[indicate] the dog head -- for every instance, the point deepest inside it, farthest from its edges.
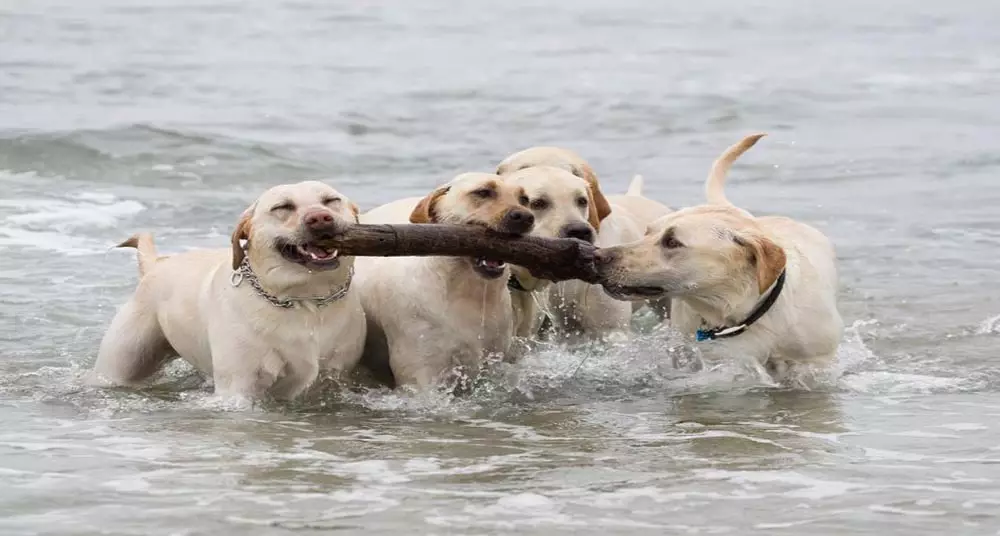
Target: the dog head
(706, 252)
(562, 204)
(481, 199)
(283, 229)
(567, 160)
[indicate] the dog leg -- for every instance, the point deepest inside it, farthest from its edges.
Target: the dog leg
(604, 315)
(416, 365)
(133, 349)
(375, 358)
(410, 372)
(241, 370)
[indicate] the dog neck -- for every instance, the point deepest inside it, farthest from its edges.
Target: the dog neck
(727, 304)
(736, 324)
(461, 282)
(284, 282)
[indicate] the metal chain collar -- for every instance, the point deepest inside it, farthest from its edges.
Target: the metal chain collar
(245, 273)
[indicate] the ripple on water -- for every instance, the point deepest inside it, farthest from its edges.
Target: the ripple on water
(64, 220)
(397, 454)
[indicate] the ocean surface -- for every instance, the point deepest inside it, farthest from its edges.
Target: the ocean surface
(172, 115)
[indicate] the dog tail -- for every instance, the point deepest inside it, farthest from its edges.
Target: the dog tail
(635, 187)
(715, 185)
(143, 243)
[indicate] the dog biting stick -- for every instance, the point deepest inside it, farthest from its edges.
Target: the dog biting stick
(555, 259)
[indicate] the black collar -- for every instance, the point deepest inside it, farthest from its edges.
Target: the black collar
(762, 307)
(514, 284)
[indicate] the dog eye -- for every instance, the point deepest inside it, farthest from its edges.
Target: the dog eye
(331, 200)
(523, 200)
(483, 193)
(539, 204)
(287, 205)
(670, 241)
(581, 201)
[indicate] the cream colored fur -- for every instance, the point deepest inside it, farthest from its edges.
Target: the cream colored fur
(716, 261)
(431, 318)
(185, 305)
(577, 308)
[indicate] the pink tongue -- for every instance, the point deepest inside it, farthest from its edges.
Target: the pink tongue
(492, 263)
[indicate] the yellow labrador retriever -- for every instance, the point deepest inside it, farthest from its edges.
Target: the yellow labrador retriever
(633, 205)
(564, 206)
(547, 174)
(265, 318)
(761, 287)
(430, 318)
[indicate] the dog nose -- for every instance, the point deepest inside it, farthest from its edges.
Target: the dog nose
(317, 218)
(604, 257)
(578, 230)
(519, 221)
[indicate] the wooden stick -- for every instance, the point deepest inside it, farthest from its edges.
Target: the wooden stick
(555, 259)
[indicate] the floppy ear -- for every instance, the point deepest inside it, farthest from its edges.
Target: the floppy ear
(593, 213)
(768, 258)
(424, 211)
(242, 232)
(600, 206)
(356, 211)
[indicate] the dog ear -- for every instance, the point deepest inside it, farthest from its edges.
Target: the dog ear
(424, 212)
(767, 257)
(242, 232)
(599, 206)
(356, 211)
(593, 214)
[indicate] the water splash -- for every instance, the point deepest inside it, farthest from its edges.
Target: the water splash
(659, 363)
(990, 326)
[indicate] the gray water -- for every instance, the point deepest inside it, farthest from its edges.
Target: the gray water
(172, 115)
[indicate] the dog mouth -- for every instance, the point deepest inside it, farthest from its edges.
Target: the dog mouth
(633, 293)
(488, 268)
(310, 255)
(485, 267)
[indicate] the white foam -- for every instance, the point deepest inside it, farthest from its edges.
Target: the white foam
(525, 502)
(886, 509)
(65, 215)
(892, 455)
(514, 510)
(989, 326)
(806, 487)
(49, 241)
(882, 382)
(372, 471)
(52, 224)
(965, 426)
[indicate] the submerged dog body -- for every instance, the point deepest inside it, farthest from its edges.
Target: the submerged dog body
(762, 287)
(431, 317)
(553, 178)
(269, 318)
